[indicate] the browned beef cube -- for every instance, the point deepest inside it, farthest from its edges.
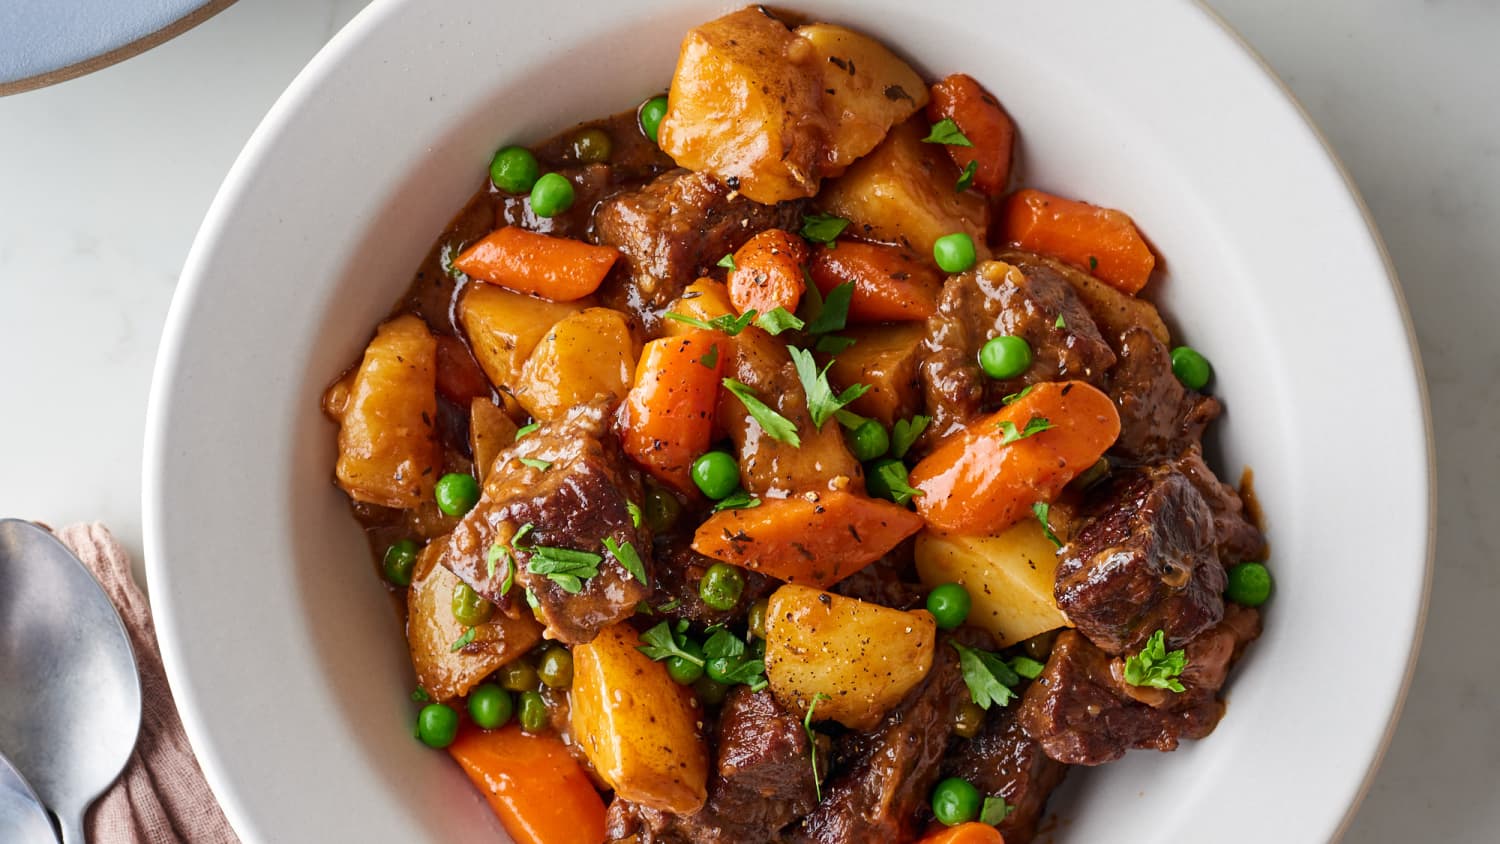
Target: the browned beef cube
(1159, 418)
(1002, 761)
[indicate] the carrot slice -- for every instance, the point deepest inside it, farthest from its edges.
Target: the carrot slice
(555, 268)
(985, 479)
(459, 377)
(979, 116)
(668, 416)
(890, 284)
(815, 539)
(1101, 240)
(972, 832)
(541, 794)
(767, 273)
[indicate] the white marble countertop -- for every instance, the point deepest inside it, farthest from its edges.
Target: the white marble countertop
(103, 181)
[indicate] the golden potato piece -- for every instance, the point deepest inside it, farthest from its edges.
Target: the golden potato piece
(704, 299)
(504, 327)
(1009, 578)
(584, 356)
(638, 728)
(884, 358)
(490, 432)
(866, 88)
(863, 658)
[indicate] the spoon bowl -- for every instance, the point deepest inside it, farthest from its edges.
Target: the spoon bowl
(23, 818)
(70, 706)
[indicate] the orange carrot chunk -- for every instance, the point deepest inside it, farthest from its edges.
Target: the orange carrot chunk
(986, 478)
(555, 268)
(972, 832)
(541, 794)
(981, 119)
(668, 415)
(890, 284)
(767, 273)
(814, 539)
(1100, 240)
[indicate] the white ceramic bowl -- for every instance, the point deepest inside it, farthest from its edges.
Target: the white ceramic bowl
(287, 661)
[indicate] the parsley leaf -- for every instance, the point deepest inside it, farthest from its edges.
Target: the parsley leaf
(966, 178)
(776, 426)
(492, 556)
(1093, 263)
(722, 643)
(526, 429)
(812, 742)
(1061, 323)
(945, 131)
(1034, 426)
(659, 643)
(447, 255)
(727, 323)
(1041, 509)
(1155, 666)
(989, 679)
(711, 359)
(777, 320)
(539, 465)
(737, 500)
(833, 314)
(822, 228)
(634, 510)
(564, 566)
(821, 402)
(670, 605)
(627, 557)
(904, 434)
(1015, 397)
(995, 810)
(892, 475)
(420, 695)
(727, 262)
(833, 344)
(462, 641)
(1026, 667)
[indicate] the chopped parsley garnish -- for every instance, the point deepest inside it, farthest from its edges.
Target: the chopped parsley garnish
(660, 643)
(777, 320)
(634, 510)
(822, 228)
(536, 463)
(833, 344)
(737, 500)
(1015, 397)
(1034, 426)
(995, 810)
(564, 566)
(891, 475)
(420, 695)
(1042, 509)
(833, 311)
(989, 679)
(627, 557)
(812, 742)
(1155, 666)
(776, 426)
(728, 323)
(904, 434)
(462, 641)
(526, 429)
(711, 359)
(945, 131)
(1061, 323)
(966, 178)
(821, 401)
(1093, 263)
(670, 605)
(446, 256)
(727, 262)
(493, 556)
(500, 551)
(1026, 667)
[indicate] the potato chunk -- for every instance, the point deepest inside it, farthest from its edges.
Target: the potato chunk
(903, 193)
(388, 453)
(638, 728)
(704, 299)
(1009, 578)
(863, 658)
(490, 432)
(504, 328)
(866, 88)
(582, 357)
(883, 357)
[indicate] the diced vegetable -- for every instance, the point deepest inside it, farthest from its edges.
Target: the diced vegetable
(866, 88)
(890, 285)
(973, 832)
(459, 377)
(981, 119)
(816, 539)
(388, 454)
(903, 193)
(504, 327)
(638, 727)
(768, 272)
(1101, 240)
(540, 793)
(1114, 312)
(490, 431)
(1009, 578)
(858, 659)
(704, 299)
(987, 478)
(885, 358)
(583, 356)
(556, 268)
(431, 631)
(668, 416)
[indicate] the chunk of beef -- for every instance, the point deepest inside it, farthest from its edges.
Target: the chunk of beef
(679, 569)
(673, 230)
(1237, 537)
(576, 503)
(1003, 761)
(890, 581)
(1082, 712)
(996, 298)
(1143, 560)
(890, 772)
(763, 782)
(1159, 418)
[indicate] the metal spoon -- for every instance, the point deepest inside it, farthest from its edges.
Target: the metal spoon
(23, 818)
(70, 696)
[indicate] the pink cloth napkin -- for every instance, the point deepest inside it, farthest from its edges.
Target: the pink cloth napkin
(161, 796)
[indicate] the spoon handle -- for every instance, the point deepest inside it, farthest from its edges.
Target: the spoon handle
(71, 824)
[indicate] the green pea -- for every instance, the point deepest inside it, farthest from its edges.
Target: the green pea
(884, 477)
(650, 115)
(592, 145)
(721, 586)
(1191, 367)
(758, 648)
(949, 605)
(456, 493)
(685, 671)
(490, 706)
(968, 719)
(716, 474)
(955, 801)
(662, 509)
(953, 253)
(514, 170)
(519, 676)
(710, 691)
(532, 712)
(469, 609)
(437, 725)
(556, 667)
(1005, 356)
(551, 195)
(1249, 584)
(399, 561)
(868, 441)
(755, 621)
